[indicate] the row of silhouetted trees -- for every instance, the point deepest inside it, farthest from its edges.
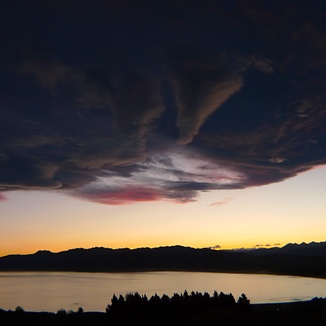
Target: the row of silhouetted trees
(134, 305)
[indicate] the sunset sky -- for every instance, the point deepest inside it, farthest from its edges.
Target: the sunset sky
(157, 123)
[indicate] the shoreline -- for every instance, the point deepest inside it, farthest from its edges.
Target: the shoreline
(162, 270)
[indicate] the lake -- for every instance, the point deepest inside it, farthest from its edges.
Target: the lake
(51, 291)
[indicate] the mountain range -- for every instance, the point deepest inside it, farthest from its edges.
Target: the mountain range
(293, 259)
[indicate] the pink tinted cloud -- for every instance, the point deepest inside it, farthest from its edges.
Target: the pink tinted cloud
(222, 202)
(134, 194)
(124, 196)
(176, 177)
(2, 197)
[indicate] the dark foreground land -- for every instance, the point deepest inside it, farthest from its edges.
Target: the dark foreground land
(311, 312)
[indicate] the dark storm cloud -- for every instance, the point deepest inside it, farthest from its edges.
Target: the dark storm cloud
(122, 102)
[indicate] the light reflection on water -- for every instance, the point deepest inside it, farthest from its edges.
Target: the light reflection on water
(50, 291)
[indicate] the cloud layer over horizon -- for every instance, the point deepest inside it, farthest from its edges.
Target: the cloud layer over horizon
(124, 102)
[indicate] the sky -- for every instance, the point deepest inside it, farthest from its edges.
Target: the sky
(157, 123)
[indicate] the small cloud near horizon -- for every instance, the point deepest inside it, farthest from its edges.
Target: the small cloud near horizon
(222, 202)
(216, 247)
(267, 245)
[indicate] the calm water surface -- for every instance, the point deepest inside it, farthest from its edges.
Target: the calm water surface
(51, 291)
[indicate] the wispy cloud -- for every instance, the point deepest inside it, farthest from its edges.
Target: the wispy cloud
(267, 245)
(200, 90)
(222, 202)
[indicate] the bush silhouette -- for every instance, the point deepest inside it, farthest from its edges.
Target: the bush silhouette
(19, 309)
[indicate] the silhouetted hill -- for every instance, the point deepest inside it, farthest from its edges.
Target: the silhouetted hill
(304, 249)
(304, 259)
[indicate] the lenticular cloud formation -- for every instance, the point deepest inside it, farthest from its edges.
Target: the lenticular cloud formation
(145, 101)
(175, 176)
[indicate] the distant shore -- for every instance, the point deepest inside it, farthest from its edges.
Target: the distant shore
(167, 270)
(296, 260)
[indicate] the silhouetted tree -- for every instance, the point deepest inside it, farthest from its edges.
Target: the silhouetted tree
(19, 309)
(243, 302)
(165, 304)
(179, 307)
(61, 312)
